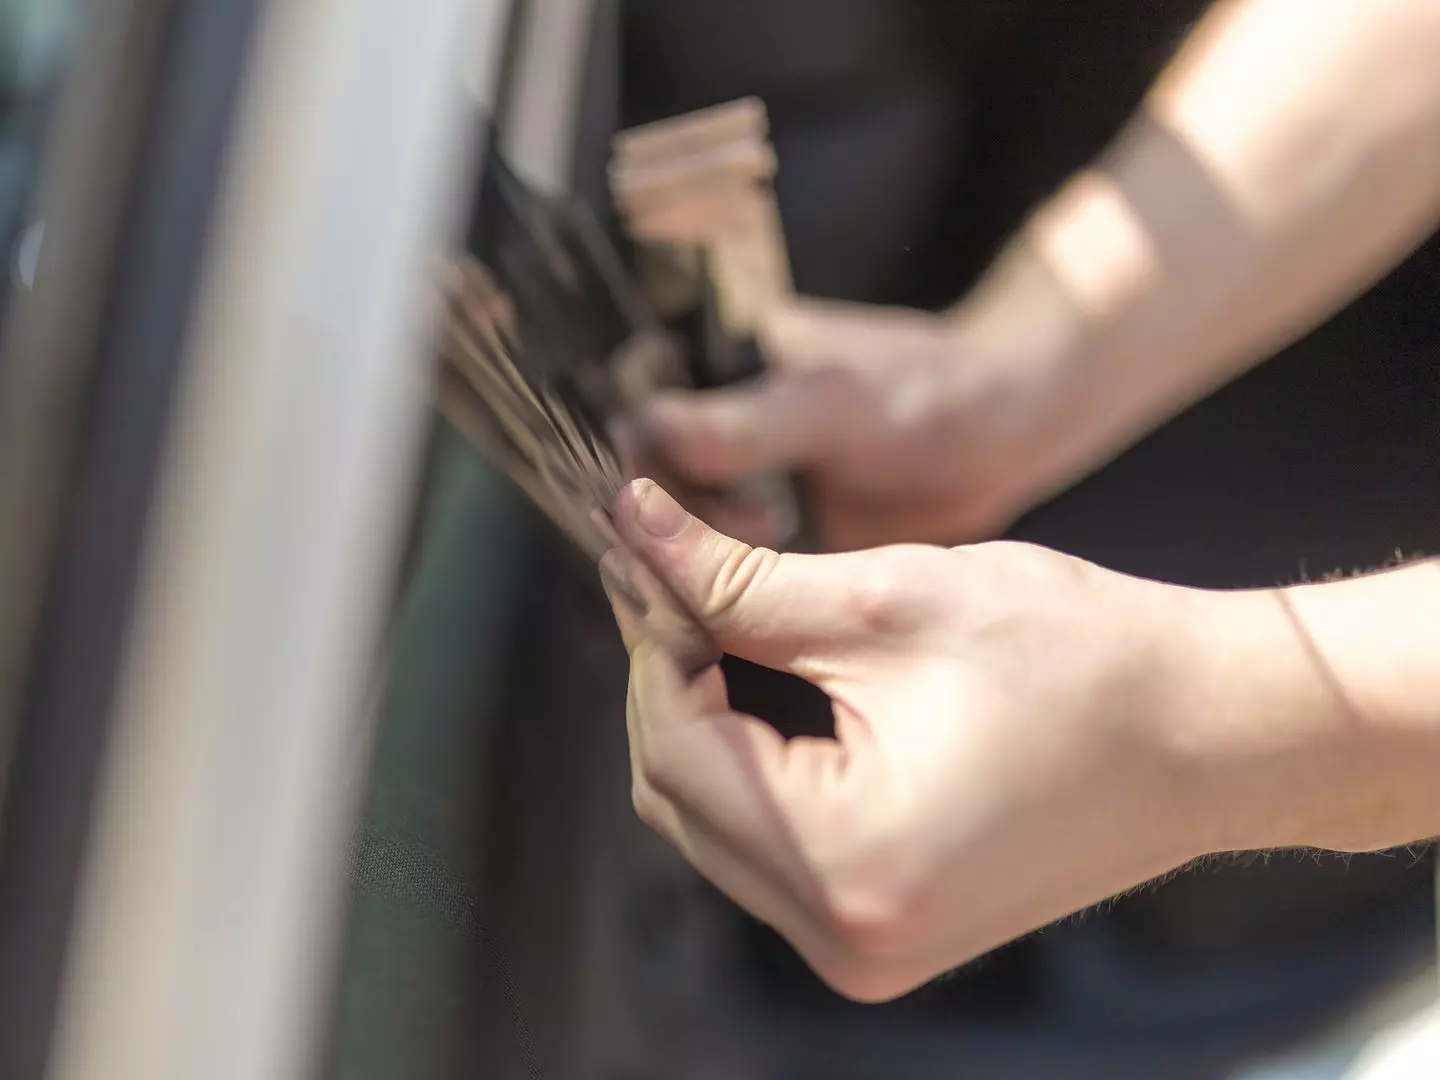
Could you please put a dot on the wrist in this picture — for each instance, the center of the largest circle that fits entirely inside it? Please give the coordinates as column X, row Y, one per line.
column 1132, row 294
column 1146, row 273
column 1058, row 336
column 1014, row 356
column 1306, row 716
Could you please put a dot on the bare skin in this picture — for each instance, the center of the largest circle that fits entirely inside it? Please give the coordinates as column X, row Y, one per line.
column 1286, row 160
column 1022, row 734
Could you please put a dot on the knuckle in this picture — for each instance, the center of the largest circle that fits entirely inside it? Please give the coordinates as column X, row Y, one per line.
column 869, row 924
column 1016, row 553
column 704, row 447
column 742, row 570
column 869, row 903
column 866, row 979
column 870, row 921
column 646, row 804
column 876, row 607
column 862, row 981
column 892, row 594
column 706, row 456
column 663, row 775
column 1013, row 568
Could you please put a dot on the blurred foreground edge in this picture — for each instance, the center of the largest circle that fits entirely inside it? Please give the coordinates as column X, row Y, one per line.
column 211, row 410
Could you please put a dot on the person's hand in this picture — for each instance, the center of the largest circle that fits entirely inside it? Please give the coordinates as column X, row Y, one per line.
column 1015, row 734
column 907, row 426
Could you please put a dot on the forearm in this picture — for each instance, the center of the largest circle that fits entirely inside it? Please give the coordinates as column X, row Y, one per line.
column 1315, row 716
column 1286, row 160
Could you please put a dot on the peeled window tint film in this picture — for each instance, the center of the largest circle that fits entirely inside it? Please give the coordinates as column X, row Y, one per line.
column 428, row 992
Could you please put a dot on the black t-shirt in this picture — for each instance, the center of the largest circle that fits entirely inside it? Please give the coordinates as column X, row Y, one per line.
column 912, row 137
column 499, row 926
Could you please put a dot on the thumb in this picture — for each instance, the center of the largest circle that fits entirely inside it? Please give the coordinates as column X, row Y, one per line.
column 782, row 420
column 823, row 359
column 782, row 611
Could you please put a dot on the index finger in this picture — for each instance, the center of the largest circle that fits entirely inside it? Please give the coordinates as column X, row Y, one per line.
column 647, row 612
column 733, row 774
column 780, row 420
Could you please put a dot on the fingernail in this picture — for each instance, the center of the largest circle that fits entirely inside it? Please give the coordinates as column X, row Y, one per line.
column 657, row 513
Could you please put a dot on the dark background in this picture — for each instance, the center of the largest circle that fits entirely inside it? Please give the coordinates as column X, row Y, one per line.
column 512, row 919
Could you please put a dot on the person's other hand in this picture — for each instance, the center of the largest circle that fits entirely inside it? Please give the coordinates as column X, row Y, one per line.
column 908, row 426
column 1013, row 735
